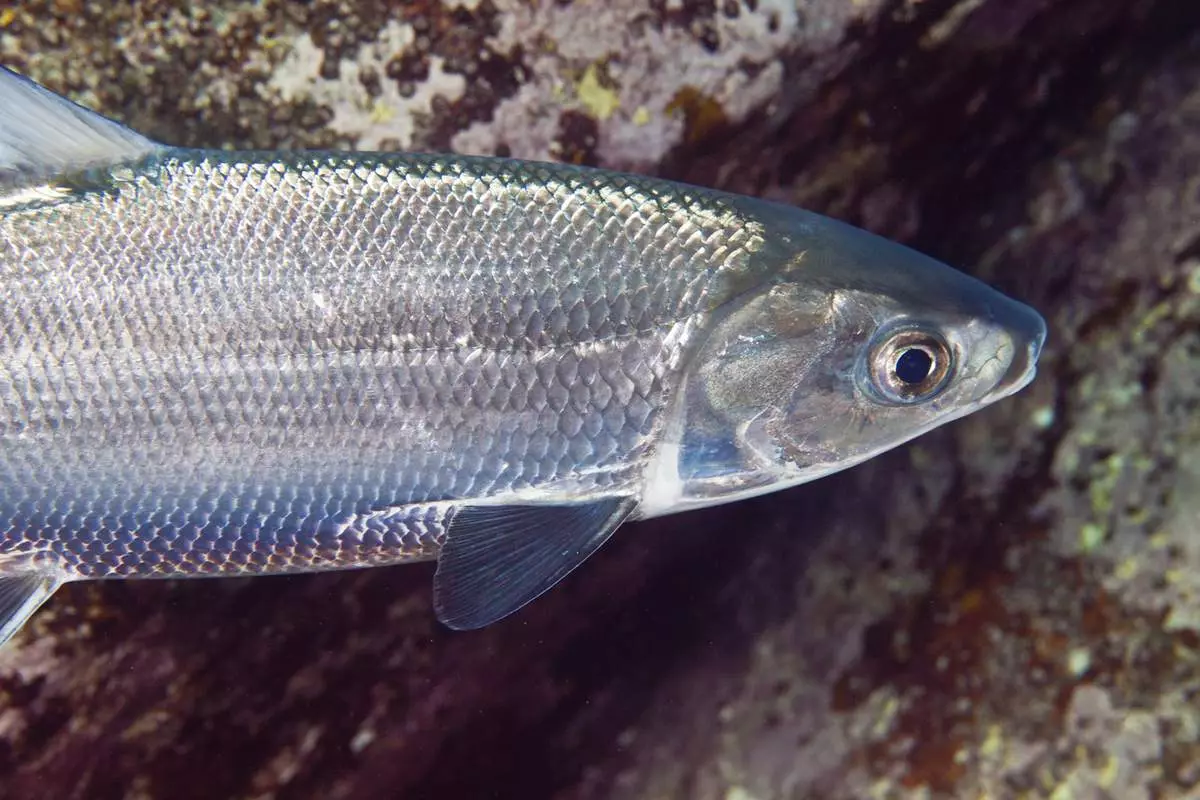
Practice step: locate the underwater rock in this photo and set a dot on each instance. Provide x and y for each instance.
(1008, 607)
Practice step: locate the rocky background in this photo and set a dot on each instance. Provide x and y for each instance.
(1009, 608)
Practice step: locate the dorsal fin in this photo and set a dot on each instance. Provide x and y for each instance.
(43, 134)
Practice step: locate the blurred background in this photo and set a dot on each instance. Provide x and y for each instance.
(1009, 608)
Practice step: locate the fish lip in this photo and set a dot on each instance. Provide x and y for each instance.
(1028, 331)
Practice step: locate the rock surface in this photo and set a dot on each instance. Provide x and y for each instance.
(1013, 611)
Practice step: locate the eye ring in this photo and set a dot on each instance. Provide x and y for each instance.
(910, 365)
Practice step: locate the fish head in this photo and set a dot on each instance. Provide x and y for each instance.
(856, 345)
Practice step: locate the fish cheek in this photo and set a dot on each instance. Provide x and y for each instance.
(746, 394)
(754, 381)
(828, 419)
(758, 356)
(744, 377)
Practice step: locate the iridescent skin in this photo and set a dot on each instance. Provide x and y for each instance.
(260, 363)
(217, 363)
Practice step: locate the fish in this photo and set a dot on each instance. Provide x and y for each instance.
(219, 363)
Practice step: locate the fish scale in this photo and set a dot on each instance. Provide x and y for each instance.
(218, 363)
(408, 401)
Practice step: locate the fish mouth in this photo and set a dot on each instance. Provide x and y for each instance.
(1027, 330)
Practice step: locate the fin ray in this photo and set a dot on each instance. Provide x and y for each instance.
(20, 596)
(44, 134)
(497, 559)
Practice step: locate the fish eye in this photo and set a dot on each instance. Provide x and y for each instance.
(910, 365)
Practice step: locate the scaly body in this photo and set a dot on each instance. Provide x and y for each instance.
(220, 363)
(213, 364)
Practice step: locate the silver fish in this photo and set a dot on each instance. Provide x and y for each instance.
(220, 363)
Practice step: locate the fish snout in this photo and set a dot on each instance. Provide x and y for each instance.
(1027, 331)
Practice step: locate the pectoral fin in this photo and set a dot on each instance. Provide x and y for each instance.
(21, 595)
(499, 558)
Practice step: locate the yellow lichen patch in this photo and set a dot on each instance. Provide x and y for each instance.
(886, 716)
(1091, 536)
(1110, 772)
(701, 113)
(993, 747)
(601, 101)
(1126, 570)
(381, 112)
(1160, 540)
(1156, 315)
(1105, 484)
(6, 17)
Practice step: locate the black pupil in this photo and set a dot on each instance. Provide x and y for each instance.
(913, 365)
